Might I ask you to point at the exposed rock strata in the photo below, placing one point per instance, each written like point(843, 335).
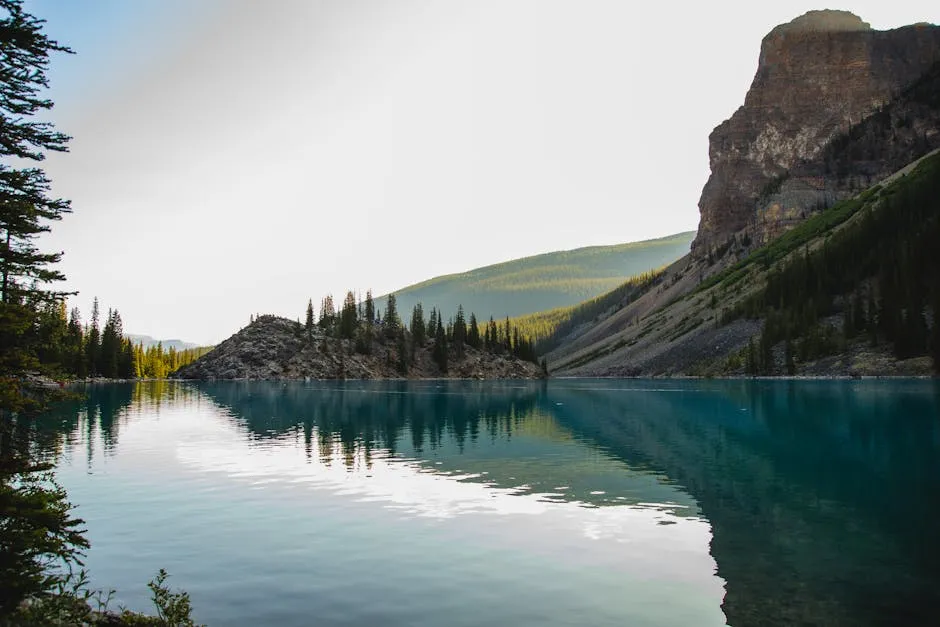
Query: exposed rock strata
point(817, 78)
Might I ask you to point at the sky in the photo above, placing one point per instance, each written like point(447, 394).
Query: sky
point(233, 157)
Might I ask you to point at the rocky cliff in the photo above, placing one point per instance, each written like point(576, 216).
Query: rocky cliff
point(277, 348)
point(785, 153)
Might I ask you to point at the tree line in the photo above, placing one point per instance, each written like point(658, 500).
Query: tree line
point(877, 278)
point(448, 338)
point(67, 347)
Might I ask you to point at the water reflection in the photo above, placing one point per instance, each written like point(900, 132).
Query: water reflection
point(820, 497)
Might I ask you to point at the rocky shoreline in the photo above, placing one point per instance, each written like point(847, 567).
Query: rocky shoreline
point(274, 348)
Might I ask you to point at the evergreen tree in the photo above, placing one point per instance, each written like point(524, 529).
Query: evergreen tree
point(111, 345)
point(349, 319)
point(370, 308)
point(473, 335)
point(460, 331)
point(432, 324)
point(93, 342)
point(327, 313)
point(391, 320)
point(75, 358)
point(26, 208)
point(418, 330)
point(308, 325)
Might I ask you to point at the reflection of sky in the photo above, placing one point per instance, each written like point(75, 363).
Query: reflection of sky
point(413, 486)
point(169, 488)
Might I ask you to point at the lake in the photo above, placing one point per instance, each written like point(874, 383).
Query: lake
point(566, 502)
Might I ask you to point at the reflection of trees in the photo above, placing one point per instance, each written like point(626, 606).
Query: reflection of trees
point(822, 505)
point(100, 410)
point(371, 415)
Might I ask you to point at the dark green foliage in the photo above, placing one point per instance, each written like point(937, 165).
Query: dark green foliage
point(308, 324)
point(418, 327)
point(327, 314)
point(433, 322)
point(93, 343)
point(460, 331)
point(473, 335)
point(349, 317)
point(25, 207)
point(391, 321)
point(887, 257)
point(370, 308)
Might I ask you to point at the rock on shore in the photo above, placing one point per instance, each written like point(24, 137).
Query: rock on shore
point(272, 347)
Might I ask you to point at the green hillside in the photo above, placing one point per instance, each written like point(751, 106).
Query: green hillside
point(542, 282)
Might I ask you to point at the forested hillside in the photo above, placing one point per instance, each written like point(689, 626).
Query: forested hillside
point(543, 282)
point(854, 289)
point(879, 276)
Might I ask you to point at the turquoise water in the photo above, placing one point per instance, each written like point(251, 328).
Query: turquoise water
point(596, 502)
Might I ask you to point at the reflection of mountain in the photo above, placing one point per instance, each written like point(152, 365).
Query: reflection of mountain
point(439, 424)
point(822, 505)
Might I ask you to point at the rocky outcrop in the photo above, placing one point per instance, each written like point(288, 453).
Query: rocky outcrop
point(277, 348)
point(821, 77)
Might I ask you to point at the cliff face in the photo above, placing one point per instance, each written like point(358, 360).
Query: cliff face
point(818, 77)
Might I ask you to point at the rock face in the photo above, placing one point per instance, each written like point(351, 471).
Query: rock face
point(276, 348)
point(818, 78)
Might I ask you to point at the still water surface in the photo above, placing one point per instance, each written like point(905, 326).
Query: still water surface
point(546, 503)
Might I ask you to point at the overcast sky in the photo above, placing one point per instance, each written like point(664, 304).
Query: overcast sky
point(234, 156)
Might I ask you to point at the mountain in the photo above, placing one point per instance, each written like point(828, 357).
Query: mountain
point(817, 250)
point(541, 282)
point(148, 341)
point(818, 77)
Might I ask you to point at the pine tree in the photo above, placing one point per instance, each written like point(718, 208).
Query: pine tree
point(26, 209)
point(308, 325)
point(473, 335)
point(370, 308)
point(126, 369)
point(75, 358)
point(432, 323)
point(418, 330)
point(111, 345)
point(460, 331)
point(327, 313)
point(93, 342)
point(391, 319)
point(349, 320)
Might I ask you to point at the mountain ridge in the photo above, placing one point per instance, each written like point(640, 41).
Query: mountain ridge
point(539, 282)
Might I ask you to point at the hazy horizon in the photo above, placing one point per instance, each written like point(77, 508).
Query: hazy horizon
point(232, 157)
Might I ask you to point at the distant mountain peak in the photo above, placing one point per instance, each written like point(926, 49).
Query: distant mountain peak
point(149, 341)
